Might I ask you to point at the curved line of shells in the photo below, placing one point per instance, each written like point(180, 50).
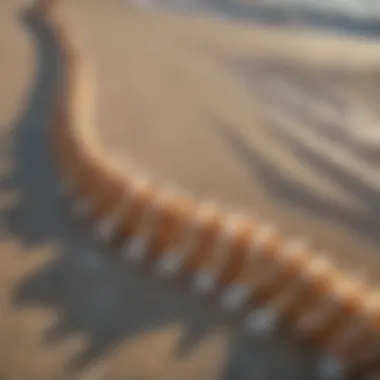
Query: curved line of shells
point(282, 280)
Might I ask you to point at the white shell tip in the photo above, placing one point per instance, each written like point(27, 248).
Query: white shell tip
point(103, 230)
point(203, 282)
point(330, 368)
point(234, 297)
point(168, 266)
point(261, 322)
point(136, 250)
point(82, 208)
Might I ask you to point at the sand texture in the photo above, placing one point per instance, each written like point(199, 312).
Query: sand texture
point(264, 120)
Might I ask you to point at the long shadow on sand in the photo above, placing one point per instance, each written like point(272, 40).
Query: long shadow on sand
point(91, 293)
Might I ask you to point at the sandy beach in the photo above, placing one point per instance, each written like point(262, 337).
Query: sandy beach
point(202, 103)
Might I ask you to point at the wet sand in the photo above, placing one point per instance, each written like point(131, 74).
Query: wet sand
point(190, 100)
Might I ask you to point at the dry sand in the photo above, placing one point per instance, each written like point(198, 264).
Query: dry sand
point(202, 103)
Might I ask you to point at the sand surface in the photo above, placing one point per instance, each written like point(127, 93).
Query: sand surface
point(202, 103)
point(278, 124)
